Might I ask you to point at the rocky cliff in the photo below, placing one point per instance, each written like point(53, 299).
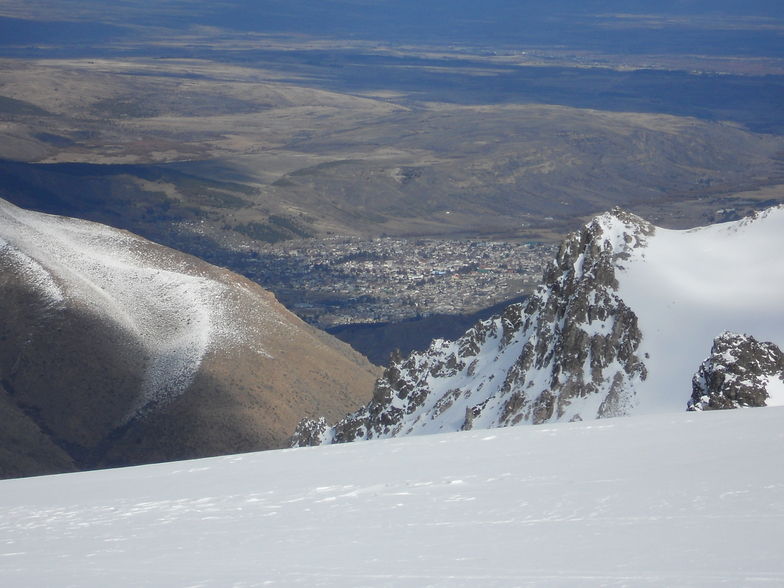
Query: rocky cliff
point(740, 372)
point(619, 327)
point(571, 352)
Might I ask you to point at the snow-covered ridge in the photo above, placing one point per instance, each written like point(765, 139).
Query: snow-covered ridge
point(627, 313)
point(174, 312)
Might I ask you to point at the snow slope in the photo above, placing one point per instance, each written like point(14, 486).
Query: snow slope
point(687, 287)
point(688, 500)
point(627, 314)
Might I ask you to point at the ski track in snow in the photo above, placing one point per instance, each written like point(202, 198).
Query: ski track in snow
point(688, 500)
point(178, 317)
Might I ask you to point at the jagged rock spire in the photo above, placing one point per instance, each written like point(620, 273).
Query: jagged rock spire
point(737, 373)
point(568, 353)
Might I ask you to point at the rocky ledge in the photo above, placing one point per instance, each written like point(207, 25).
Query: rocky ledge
point(738, 373)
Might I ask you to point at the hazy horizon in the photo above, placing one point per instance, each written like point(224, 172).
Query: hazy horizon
point(641, 26)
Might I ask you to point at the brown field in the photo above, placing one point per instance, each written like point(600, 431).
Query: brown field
point(379, 161)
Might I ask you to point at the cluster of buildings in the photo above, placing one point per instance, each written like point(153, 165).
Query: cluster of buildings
point(345, 280)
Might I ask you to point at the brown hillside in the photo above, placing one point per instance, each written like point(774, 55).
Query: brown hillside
point(118, 351)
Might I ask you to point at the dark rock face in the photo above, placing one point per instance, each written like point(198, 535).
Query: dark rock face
point(568, 353)
point(311, 432)
point(737, 373)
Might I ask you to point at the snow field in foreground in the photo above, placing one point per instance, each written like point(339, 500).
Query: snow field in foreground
point(690, 499)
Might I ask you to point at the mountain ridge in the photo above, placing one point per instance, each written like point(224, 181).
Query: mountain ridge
point(587, 344)
point(121, 351)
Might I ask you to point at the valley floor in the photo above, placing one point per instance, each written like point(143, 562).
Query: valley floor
point(687, 499)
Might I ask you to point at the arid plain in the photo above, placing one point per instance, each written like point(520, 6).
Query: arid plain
point(221, 130)
point(392, 144)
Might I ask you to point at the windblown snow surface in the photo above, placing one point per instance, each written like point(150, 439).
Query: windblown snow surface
point(176, 314)
point(687, 500)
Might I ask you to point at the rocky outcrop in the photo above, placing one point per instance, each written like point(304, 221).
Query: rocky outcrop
point(569, 353)
point(738, 373)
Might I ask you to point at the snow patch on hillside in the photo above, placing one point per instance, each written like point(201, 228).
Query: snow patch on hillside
point(177, 315)
point(775, 389)
point(33, 273)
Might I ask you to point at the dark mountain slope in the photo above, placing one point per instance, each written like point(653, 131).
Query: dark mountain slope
point(116, 351)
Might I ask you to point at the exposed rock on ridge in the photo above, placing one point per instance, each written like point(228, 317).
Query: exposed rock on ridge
point(739, 373)
point(569, 353)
